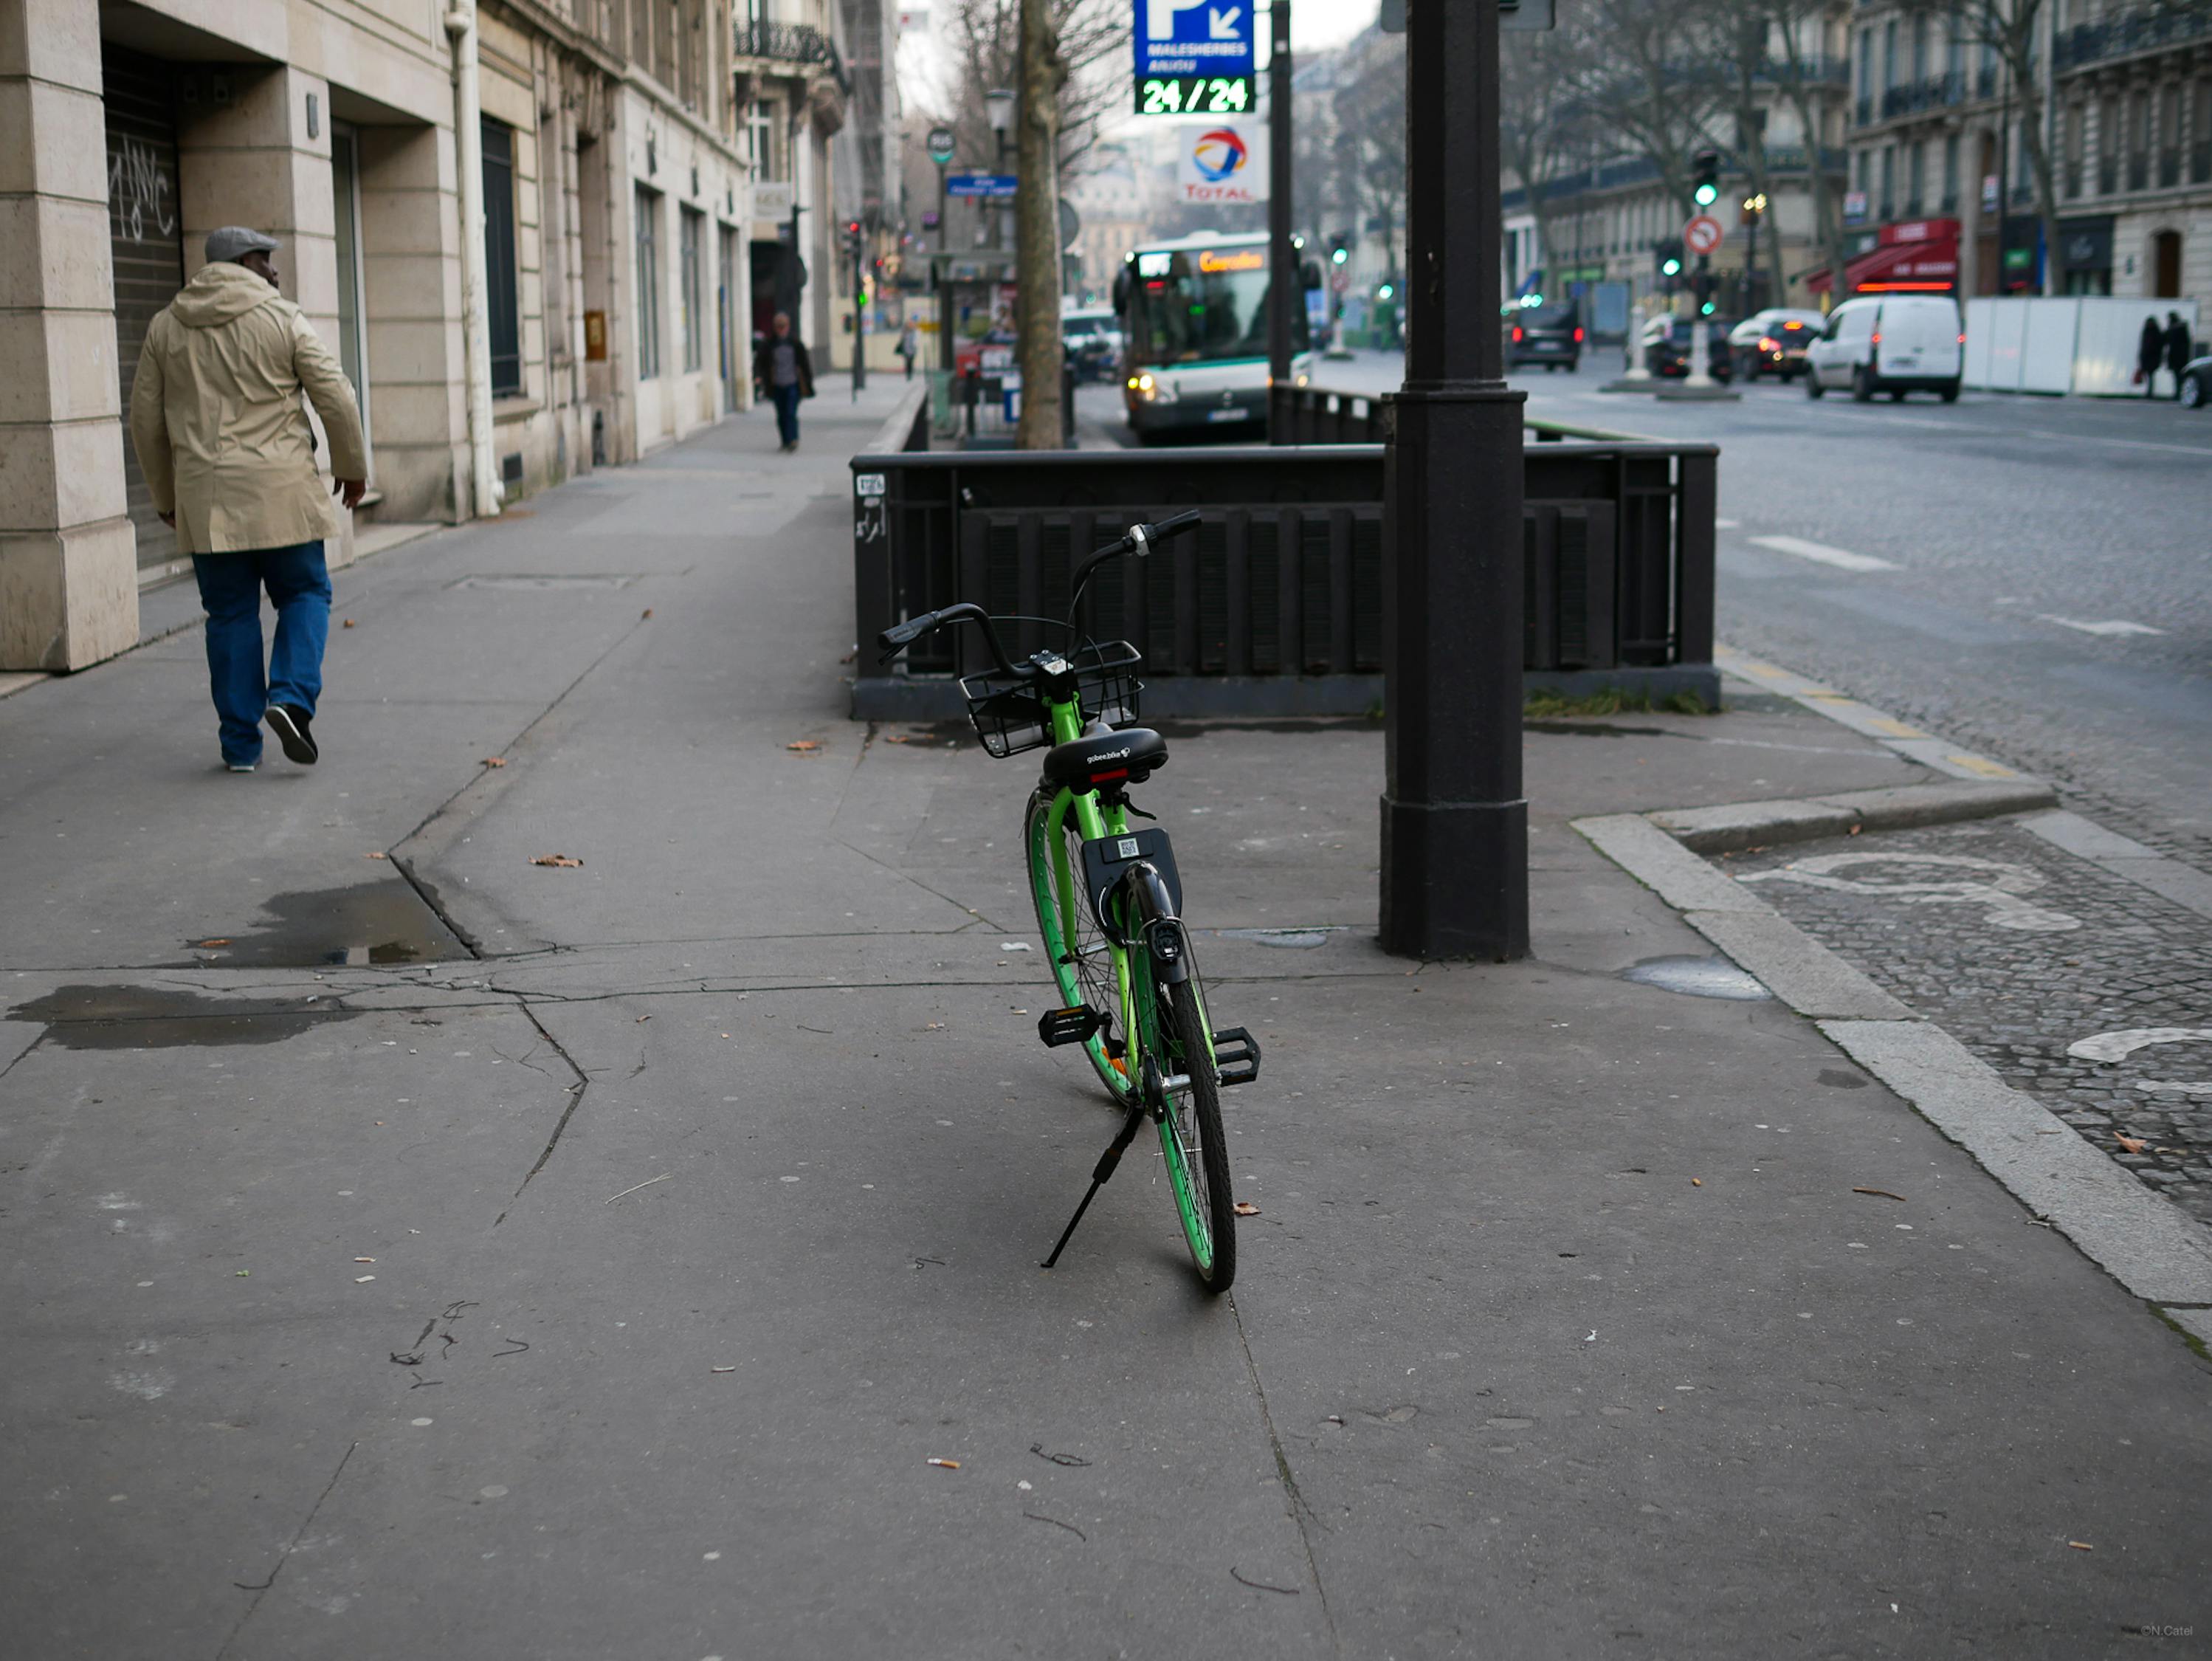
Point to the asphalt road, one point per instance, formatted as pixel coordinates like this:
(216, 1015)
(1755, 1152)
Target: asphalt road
(2041, 593)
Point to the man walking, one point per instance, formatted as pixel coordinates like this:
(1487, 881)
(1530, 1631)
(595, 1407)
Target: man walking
(2177, 347)
(909, 346)
(2150, 350)
(781, 370)
(228, 454)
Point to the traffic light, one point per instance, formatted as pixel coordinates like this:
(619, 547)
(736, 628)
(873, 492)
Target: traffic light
(1707, 189)
(1340, 248)
(1667, 255)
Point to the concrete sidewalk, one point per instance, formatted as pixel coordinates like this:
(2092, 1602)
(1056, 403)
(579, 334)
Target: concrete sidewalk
(413, 1244)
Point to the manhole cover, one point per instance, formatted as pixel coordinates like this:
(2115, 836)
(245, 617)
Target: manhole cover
(491, 580)
(1698, 978)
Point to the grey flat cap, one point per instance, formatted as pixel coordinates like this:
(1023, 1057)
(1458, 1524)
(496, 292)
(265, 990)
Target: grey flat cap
(233, 240)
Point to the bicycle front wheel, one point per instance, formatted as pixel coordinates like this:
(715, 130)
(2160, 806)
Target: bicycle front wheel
(1082, 960)
(1191, 1137)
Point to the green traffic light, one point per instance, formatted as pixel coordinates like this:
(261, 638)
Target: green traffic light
(1671, 268)
(1384, 292)
(1531, 300)
(1337, 257)
(1705, 310)
(1706, 194)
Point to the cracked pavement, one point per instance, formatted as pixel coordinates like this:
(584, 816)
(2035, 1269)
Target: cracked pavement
(576, 1261)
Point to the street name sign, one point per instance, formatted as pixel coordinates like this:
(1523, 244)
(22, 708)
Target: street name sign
(994, 184)
(1193, 57)
(1702, 235)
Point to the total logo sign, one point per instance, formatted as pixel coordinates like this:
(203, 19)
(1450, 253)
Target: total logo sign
(1222, 162)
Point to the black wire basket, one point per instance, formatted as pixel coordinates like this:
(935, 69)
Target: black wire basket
(1009, 713)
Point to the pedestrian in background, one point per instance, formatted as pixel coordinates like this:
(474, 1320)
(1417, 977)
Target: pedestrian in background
(909, 346)
(2177, 347)
(2150, 351)
(782, 371)
(228, 453)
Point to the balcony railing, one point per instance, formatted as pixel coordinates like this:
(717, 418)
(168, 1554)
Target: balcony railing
(1938, 92)
(786, 43)
(2130, 32)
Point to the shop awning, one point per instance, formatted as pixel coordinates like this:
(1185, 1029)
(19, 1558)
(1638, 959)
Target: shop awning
(1931, 267)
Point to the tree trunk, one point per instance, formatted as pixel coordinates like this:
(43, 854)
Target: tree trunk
(1036, 228)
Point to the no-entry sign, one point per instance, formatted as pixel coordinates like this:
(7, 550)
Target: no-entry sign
(1702, 235)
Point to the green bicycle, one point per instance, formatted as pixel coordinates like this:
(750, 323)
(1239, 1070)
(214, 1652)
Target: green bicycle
(1109, 900)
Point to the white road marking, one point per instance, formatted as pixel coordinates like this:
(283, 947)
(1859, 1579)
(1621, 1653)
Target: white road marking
(2111, 1047)
(2000, 887)
(1842, 558)
(2112, 627)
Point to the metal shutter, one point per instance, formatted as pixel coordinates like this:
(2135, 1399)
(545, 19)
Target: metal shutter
(146, 230)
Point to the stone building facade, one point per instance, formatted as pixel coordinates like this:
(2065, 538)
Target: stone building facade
(614, 196)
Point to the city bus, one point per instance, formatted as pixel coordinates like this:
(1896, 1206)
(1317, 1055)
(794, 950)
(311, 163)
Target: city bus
(1194, 336)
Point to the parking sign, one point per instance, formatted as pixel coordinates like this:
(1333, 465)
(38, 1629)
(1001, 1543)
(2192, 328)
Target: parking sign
(1193, 57)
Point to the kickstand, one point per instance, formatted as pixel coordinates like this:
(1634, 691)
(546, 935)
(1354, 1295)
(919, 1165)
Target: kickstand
(1100, 1172)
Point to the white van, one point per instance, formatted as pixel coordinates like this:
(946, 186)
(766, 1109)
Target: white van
(1889, 343)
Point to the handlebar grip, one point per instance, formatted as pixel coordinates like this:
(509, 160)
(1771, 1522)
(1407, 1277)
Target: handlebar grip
(1176, 525)
(902, 634)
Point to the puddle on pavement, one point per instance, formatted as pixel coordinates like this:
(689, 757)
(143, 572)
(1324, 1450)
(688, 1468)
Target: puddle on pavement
(377, 922)
(151, 1018)
(1698, 978)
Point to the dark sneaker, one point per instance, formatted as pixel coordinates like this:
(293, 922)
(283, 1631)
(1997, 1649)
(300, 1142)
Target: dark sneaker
(290, 723)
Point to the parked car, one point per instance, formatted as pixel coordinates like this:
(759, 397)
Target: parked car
(2196, 383)
(1893, 343)
(1548, 335)
(1668, 341)
(1092, 338)
(1774, 341)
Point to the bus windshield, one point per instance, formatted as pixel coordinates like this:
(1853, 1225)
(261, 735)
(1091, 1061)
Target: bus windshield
(1203, 305)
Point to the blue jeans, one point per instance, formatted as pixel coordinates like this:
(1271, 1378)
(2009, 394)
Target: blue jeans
(787, 411)
(299, 586)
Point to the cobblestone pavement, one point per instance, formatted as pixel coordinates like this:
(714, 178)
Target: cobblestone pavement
(2091, 994)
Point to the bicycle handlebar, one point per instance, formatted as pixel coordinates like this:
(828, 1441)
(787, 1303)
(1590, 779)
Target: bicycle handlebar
(1139, 540)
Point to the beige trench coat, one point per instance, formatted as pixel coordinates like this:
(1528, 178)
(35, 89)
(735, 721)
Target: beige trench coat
(216, 416)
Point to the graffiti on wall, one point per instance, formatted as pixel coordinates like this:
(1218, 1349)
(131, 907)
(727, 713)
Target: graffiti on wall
(141, 195)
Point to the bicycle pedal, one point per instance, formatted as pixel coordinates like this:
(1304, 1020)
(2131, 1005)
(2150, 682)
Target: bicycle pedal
(1237, 1055)
(1078, 1025)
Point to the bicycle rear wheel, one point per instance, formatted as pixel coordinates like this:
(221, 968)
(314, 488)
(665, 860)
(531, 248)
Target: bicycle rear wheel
(1082, 965)
(1191, 1137)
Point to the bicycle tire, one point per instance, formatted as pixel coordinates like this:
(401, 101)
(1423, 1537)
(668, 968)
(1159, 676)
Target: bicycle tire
(1081, 968)
(1203, 1197)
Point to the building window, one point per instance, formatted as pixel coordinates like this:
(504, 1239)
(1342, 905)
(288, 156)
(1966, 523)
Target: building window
(2138, 140)
(1915, 178)
(2072, 183)
(648, 285)
(2108, 145)
(1951, 174)
(695, 320)
(2200, 136)
(761, 129)
(1889, 54)
(1888, 205)
(2169, 135)
(501, 313)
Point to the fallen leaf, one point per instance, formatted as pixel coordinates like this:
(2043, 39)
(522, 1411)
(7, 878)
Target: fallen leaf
(242, 1273)
(849, 657)
(561, 860)
(1246, 1208)
(218, 940)
(803, 744)
(2080, 1545)
(1884, 1192)
(1697, 1182)
(349, 622)
(643, 1019)
(2130, 1144)
(495, 761)
(374, 855)
(946, 1464)
(645, 613)
(1855, 829)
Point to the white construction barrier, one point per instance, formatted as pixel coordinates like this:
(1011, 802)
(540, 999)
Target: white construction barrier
(2085, 344)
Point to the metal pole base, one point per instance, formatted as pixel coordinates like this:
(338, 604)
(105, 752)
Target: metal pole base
(1453, 879)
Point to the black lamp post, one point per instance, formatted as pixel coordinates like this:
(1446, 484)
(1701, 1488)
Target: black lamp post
(1454, 826)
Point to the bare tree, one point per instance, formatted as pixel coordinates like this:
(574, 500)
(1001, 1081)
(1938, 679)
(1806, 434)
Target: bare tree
(1648, 82)
(1539, 118)
(1370, 113)
(1042, 72)
(2010, 29)
(1802, 75)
